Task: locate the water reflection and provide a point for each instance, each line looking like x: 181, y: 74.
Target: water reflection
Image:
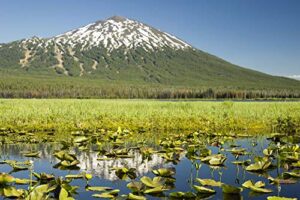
x: 88, y: 160
x: 102, y: 168
x: 186, y: 172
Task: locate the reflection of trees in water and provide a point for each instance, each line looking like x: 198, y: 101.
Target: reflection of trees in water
x: 88, y: 160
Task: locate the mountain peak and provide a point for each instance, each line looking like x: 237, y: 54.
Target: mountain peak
x: 117, y: 18
x: 119, y: 32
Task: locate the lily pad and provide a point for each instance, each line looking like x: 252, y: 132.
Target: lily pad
x: 135, y: 197
x: 209, y: 182
x: 164, y: 172
x: 135, y: 186
x: 12, y: 192
x: 260, y: 190
x: 98, y: 188
x: 155, y: 190
x: 182, y: 195
x: 262, y: 165
x: 6, y: 179
x: 203, y: 190
x: 291, y: 174
x: 153, y: 183
x: 280, y: 198
x: 229, y: 189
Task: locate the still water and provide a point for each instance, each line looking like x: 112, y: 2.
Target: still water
x: 185, y: 176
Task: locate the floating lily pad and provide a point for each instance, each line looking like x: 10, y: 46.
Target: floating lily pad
x: 164, y: 172
x: 135, y: 197
x: 6, y: 179
x: 209, y: 182
x: 32, y: 154
x: 182, y: 195
x: 153, y: 183
x: 110, y: 195
x: 12, y: 192
x: 262, y: 165
x: 291, y: 174
x: 155, y: 190
x: 280, y: 198
x: 204, y: 190
x: 229, y: 189
x: 135, y: 186
x: 260, y: 190
x: 98, y: 188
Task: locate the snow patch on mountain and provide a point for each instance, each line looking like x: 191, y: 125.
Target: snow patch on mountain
x: 118, y: 32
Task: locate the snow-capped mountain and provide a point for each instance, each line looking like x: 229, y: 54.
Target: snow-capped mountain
x: 84, y: 50
x: 118, y: 32
x: 126, y: 51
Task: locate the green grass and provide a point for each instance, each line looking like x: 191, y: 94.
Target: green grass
x: 33, y: 114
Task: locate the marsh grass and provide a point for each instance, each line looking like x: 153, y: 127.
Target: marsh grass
x: 145, y: 115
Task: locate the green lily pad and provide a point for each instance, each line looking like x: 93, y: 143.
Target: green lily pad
x: 135, y: 186
x: 24, y: 181
x: 291, y: 174
x: 229, y: 189
x: 67, y: 163
x: 98, y: 188
x: 12, y: 192
x: 262, y: 165
x: 182, y: 195
x: 44, y: 176
x: 280, y: 198
x: 209, y: 182
x: 215, y: 160
x: 155, y: 190
x: 164, y: 172
x: 108, y: 195
x: 203, y: 190
x: 260, y: 190
x: 74, y: 176
x: 32, y: 154
x: 258, y: 184
x: 6, y: 179
x: 268, y: 152
x: 38, y: 193
x: 64, y: 195
x: 153, y: 183
x: 135, y: 197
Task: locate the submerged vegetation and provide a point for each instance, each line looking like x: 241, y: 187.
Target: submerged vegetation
x: 146, y: 115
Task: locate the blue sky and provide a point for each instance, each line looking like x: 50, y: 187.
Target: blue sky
x: 259, y: 34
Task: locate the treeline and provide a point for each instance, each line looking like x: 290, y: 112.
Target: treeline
x: 135, y: 92
x: 67, y: 87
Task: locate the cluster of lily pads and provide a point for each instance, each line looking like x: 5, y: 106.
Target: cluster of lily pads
x: 282, y: 153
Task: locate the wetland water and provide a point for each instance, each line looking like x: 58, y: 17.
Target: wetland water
x: 186, y: 157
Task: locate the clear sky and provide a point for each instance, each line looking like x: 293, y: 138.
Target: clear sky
x: 259, y: 34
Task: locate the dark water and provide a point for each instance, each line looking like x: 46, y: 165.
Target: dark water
x: 185, y: 170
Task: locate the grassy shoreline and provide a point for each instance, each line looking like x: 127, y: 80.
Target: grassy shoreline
x: 145, y: 115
